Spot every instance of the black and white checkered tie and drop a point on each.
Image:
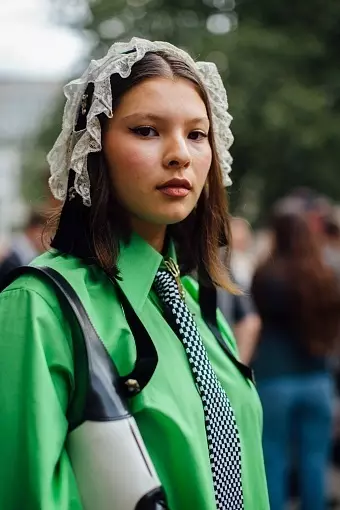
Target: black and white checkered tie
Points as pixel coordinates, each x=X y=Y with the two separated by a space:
x=221 y=429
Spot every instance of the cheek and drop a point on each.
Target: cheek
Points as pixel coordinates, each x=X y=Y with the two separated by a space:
x=140 y=162
x=203 y=164
x=131 y=161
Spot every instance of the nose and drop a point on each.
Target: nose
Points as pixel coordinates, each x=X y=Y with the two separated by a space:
x=177 y=154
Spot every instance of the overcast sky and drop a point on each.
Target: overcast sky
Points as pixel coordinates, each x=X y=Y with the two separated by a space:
x=31 y=45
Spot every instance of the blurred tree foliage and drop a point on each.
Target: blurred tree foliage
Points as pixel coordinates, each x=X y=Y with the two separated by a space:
x=279 y=61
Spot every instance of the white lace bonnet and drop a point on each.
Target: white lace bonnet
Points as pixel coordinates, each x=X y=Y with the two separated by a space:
x=72 y=147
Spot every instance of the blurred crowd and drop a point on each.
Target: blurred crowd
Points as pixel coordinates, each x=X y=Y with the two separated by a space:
x=286 y=320
x=287 y=324
x=25 y=245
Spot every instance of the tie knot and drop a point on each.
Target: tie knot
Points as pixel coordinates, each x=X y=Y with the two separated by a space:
x=166 y=286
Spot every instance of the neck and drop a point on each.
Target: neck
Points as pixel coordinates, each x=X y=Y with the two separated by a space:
x=151 y=233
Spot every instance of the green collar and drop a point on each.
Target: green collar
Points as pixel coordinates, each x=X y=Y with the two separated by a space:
x=138 y=264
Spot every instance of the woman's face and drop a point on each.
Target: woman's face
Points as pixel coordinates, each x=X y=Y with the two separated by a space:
x=158 y=150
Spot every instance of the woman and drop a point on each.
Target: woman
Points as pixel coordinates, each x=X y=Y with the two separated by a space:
x=140 y=165
x=298 y=301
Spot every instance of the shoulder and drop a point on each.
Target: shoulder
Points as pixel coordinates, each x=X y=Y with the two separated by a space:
x=76 y=272
x=89 y=282
x=39 y=304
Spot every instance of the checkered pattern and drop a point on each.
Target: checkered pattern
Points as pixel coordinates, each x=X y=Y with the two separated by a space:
x=221 y=429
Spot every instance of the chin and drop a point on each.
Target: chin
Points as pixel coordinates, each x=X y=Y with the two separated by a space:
x=166 y=215
x=173 y=221
x=174 y=217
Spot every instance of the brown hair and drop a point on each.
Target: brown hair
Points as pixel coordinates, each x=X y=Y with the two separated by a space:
x=94 y=233
x=312 y=290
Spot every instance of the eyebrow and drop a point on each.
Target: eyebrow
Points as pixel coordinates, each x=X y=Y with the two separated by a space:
x=159 y=118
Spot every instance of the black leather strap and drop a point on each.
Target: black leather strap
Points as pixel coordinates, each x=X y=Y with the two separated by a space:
x=146 y=354
x=208 y=305
x=100 y=393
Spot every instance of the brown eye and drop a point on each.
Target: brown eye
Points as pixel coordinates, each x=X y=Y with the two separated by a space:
x=197 y=135
x=145 y=131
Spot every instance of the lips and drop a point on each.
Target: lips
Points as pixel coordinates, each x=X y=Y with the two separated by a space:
x=177 y=183
x=177 y=188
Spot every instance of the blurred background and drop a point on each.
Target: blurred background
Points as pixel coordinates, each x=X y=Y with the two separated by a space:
x=280 y=64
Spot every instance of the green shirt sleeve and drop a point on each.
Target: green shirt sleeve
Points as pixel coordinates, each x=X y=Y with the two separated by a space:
x=35 y=383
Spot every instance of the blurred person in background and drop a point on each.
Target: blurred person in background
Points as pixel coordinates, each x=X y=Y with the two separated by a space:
x=26 y=245
x=242 y=318
x=239 y=311
x=313 y=206
x=331 y=243
x=331 y=252
x=321 y=219
x=242 y=260
x=299 y=304
x=316 y=208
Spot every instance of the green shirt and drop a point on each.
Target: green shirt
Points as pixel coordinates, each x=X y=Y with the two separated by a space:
x=36 y=380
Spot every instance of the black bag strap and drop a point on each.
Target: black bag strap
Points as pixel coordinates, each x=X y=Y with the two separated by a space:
x=208 y=305
x=99 y=402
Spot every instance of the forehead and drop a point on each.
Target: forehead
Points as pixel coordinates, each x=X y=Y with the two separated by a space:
x=163 y=97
